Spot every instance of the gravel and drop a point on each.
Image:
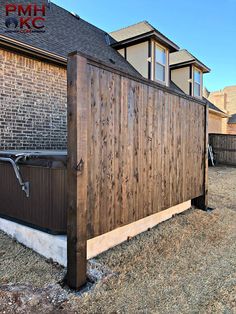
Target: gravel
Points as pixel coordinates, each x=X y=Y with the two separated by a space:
x=184 y=265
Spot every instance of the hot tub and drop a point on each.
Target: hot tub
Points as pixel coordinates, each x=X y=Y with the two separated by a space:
x=33 y=189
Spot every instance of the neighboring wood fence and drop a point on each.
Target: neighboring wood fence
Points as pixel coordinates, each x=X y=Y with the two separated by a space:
x=224 y=146
x=135 y=148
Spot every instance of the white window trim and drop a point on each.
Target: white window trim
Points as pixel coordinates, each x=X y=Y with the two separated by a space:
x=166 y=82
x=197 y=69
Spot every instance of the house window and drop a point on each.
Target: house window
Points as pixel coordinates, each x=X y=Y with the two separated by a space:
x=160 y=63
x=197 y=83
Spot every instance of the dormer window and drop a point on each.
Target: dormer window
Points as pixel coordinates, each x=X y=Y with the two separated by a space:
x=187 y=72
x=197 y=82
x=160 y=63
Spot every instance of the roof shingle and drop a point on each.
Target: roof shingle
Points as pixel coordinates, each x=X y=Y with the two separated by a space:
x=66 y=33
x=213 y=107
x=232 y=119
x=183 y=56
x=132 y=31
x=139 y=29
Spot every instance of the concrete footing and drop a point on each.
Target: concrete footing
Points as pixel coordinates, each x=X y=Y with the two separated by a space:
x=47 y=245
x=55 y=246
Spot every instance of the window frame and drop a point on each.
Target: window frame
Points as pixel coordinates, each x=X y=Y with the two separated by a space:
x=195 y=82
x=166 y=65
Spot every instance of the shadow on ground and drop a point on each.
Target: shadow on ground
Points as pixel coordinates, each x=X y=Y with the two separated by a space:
x=184 y=265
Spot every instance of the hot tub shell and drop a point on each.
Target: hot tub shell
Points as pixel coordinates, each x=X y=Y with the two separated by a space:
x=45 y=208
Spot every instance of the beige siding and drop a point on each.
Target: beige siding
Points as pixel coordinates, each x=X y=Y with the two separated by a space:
x=137 y=55
x=181 y=78
x=122 y=52
x=214 y=123
x=218 y=99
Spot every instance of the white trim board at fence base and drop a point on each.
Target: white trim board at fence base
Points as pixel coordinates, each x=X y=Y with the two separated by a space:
x=108 y=240
x=55 y=247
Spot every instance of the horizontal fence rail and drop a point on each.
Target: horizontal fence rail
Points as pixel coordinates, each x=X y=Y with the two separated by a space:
x=135 y=149
x=224 y=147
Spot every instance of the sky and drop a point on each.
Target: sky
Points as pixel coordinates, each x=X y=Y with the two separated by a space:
x=206 y=28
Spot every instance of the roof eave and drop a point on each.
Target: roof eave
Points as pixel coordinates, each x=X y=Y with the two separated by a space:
x=152 y=34
x=222 y=114
x=194 y=62
x=125 y=42
x=171 y=45
x=16 y=45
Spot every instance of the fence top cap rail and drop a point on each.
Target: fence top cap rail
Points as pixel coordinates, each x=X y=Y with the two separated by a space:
x=138 y=78
x=221 y=134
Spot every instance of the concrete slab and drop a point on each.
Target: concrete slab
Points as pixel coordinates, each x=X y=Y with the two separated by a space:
x=55 y=246
x=47 y=245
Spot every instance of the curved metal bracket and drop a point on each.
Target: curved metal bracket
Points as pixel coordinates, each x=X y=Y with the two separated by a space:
x=24 y=185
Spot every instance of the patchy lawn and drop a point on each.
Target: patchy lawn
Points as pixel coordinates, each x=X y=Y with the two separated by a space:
x=184 y=265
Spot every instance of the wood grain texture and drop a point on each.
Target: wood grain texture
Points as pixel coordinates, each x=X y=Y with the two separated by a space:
x=77 y=170
x=224 y=146
x=135 y=148
x=146 y=151
x=202 y=200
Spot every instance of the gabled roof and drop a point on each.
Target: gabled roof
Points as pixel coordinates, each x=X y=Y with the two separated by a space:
x=184 y=57
x=65 y=33
x=232 y=119
x=139 y=31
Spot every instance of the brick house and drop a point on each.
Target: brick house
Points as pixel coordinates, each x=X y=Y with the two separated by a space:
x=33 y=106
x=33 y=77
x=225 y=100
x=33 y=71
x=231 y=125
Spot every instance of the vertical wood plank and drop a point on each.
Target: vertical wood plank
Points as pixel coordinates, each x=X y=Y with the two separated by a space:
x=124 y=149
x=145 y=149
x=202 y=200
x=150 y=149
x=141 y=152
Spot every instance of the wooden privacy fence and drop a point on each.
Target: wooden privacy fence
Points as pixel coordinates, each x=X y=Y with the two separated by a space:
x=135 y=148
x=224 y=147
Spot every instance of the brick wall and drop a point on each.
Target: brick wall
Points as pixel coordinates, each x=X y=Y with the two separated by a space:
x=225 y=99
x=32 y=103
x=231 y=128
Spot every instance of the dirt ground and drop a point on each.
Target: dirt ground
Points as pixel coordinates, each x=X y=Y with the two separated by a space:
x=184 y=265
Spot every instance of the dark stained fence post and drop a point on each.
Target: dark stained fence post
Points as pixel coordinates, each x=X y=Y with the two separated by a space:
x=202 y=201
x=77 y=119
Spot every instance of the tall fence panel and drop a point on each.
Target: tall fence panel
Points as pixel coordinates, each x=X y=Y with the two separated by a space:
x=224 y=147
x=144 y=150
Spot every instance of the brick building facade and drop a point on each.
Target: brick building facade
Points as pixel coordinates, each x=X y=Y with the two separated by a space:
x=33 y=96
x=225 y=99
x=33 y=91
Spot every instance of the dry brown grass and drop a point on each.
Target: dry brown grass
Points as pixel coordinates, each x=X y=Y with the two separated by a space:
x=184 y=265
